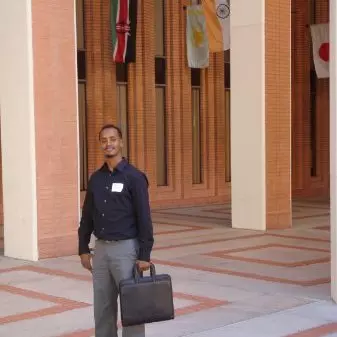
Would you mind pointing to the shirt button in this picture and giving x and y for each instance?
(105, 201)
(103, 214)
(107, 187)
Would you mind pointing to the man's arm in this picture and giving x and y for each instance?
(140, 199)
(86, 225)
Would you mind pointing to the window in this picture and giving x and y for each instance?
(122, 103)
(81, 73)
(160, 80)
(83, 135)
(196, 127)
(227, 81)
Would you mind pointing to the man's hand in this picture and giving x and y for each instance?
(143, 265)
(86, 261)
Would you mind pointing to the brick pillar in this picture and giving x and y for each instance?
(101, 76)
(136, 91)
(278, 112)
(39, 135)
(261, 114)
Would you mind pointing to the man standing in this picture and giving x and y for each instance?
(116, 209)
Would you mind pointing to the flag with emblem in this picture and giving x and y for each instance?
(123, 30)
(217, 14)
(196, 37)
(320, 49)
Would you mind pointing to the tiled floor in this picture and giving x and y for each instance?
(227, 282)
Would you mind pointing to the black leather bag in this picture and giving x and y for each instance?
(146, 299)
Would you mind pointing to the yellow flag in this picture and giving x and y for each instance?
(213, 27)
(196, 38)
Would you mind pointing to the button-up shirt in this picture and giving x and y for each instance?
(116, 207)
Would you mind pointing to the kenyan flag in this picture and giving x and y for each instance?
(123, 27)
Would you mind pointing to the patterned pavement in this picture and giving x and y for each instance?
(227, 282)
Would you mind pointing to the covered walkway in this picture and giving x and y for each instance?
(227, 282)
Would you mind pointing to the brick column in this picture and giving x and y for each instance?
(261, 114)
(101, 76)
(39, 137)
(278, 113)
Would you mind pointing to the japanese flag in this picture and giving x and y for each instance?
(320, 45)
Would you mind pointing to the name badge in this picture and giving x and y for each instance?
(117, 187)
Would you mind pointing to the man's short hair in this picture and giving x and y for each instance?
(110, 126)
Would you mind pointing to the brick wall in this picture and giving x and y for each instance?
(101, 102)
(54, 90)
(278, 113)
(101, 89)
(304, 184)
(55, 127)
(142, 110)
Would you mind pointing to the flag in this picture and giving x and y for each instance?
(196, 37)
(123, 30)
(320, 49)
(217, 13)
(223, 14)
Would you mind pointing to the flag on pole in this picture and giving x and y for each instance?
(123, 30)
(196, 37)
(223, 14)
(320, 49)
(217, 13)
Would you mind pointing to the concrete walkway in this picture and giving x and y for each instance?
(227, 282)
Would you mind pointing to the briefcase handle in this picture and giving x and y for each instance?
(137, 274)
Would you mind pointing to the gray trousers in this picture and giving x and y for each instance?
(112, 262)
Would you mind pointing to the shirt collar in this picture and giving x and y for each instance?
(120, 167)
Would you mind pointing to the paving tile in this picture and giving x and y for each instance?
(206, 320)
(52, 285)
(65, 265)
(212, 290)
(269, 303)
(244, 294)
(50, 326)
(275, 325)
(12, 304)
(279, 255)
(15, 277)
(6, 262)
(289, 275)
(323, 310)
(181, 303)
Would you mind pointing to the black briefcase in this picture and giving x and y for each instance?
(146, 299)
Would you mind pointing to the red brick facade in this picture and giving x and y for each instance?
(287, 109)
(55, 126)
(283, 28)
(101, 96)
(304, 184)
(278, 113)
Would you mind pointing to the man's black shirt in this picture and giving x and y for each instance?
(116, 207)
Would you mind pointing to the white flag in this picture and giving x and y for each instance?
(196, 38)
(223, 14)
(320, 49)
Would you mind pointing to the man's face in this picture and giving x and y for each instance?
(111, 143)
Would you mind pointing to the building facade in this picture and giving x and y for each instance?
(173, 118)
(251, 129)
(176, 120)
